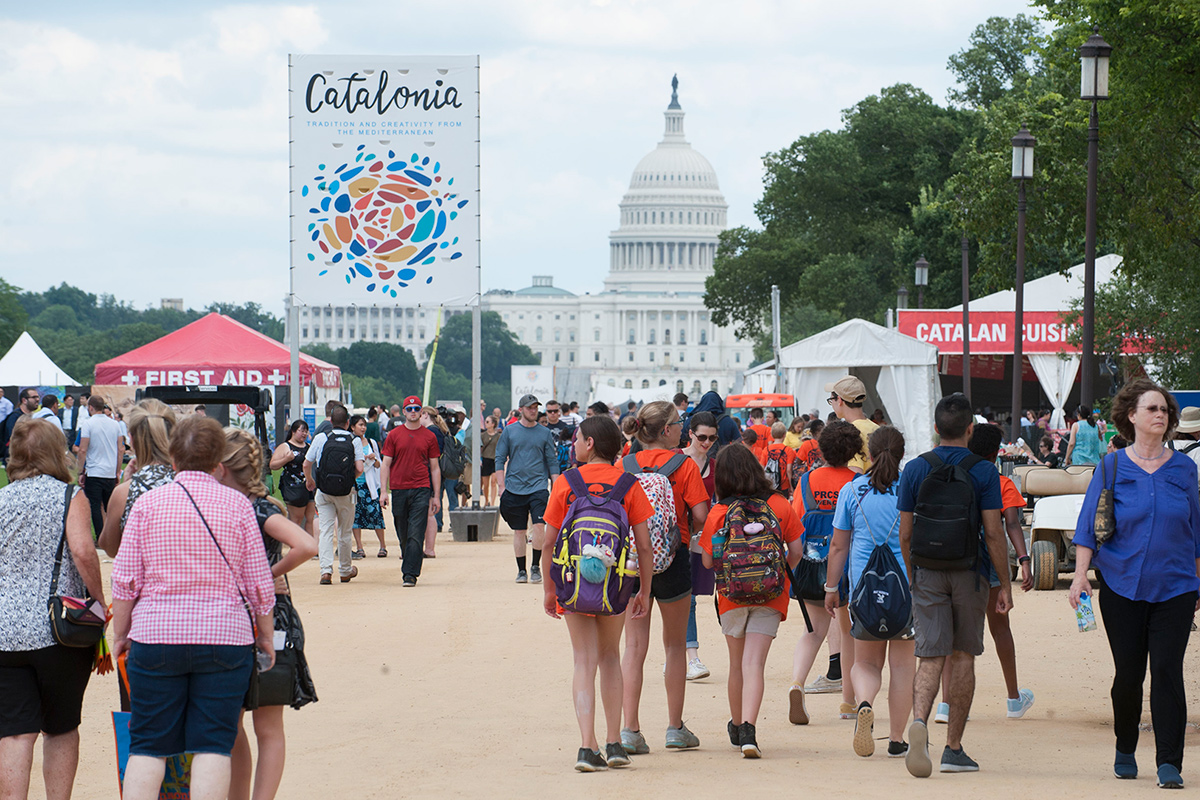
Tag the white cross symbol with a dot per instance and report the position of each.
(276, 377)
(130, 378)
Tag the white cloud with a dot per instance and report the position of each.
(150, 158)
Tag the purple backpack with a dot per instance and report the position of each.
(591, 574)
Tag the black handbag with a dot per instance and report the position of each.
(808, 579)
(251, 701)
(294, 492)
(71, 623)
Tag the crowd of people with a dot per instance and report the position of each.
(658, 505)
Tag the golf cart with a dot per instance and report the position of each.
(1059, 497)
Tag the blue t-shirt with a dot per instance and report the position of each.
(858, 506)
(1152, 556)
(983, 475)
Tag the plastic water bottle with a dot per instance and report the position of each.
(1085, 617)
(264, 660)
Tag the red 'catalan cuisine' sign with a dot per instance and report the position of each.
(992, 332)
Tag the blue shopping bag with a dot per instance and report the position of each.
(176, 780)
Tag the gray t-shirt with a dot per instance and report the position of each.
(528, 458)
(103, 434)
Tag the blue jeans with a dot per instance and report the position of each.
(186, 698)
(449, 499)
(410, 510)
(693, 641)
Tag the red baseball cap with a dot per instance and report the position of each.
(412, 400)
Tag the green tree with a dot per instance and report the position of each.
(499, 346)
(369, 390)
(833, 204)
(1002, 55)
(390, 363)
(13, 315)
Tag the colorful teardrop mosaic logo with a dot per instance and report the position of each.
(383, 220)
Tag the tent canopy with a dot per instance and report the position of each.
(900, 374)
(26, 365)
(215, 350)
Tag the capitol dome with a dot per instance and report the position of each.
(671, 214)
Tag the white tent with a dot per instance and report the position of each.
(900, 374)
(26, 365)
(1055, 371)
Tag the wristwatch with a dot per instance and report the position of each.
(1023, 559)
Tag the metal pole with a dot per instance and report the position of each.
(293, 312)
(1088, 356)
(966, 304)
(1019, 319)
(775, 339)
(477, 328)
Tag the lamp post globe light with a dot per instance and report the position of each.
(1022, 170)
(1093, 56)
(902, 297)
(921, 279)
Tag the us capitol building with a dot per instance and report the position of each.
(648, 327)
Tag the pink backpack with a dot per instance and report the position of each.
(664, 525)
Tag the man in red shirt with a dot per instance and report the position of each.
(410, 469)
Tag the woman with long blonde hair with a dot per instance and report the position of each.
(241, 469)
(150, 424)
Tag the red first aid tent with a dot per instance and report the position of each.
(215, 350)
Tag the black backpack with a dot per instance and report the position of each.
(946, 519)
(881, 603)
(336, 471)
(453, 459)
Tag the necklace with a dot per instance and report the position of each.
(1145, 458)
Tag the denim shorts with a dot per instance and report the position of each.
(186, 698)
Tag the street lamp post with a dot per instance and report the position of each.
(921, 279)
(1022, 170)
(966, 304)
(1093, 56)
(902, 297)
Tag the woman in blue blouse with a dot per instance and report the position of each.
(1150, 568)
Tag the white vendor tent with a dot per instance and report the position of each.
(900, 374)
(1055, 371)
(26, 365)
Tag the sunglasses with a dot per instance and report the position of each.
(831, 400)
(412, 408)
(703, 437)
(1156, 409)
(552, 411)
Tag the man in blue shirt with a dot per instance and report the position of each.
(526, 461)
(949, 605)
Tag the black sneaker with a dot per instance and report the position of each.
(957, 762)
(735, 736)
(617, 757)
(748, 742)
(590, 761)
(897, 749)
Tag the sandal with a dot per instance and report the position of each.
(382, 552)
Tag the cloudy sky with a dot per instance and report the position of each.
(146, 142)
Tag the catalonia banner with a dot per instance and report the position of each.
(384, 179)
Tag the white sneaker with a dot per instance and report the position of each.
(943, 714)
(696, 670)
(1018, 707)
(823, 685)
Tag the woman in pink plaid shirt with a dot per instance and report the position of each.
(180, 610)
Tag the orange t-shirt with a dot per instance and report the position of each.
(764, 437)
(808, 452)
(788, 523)
(826, 483)
(600, 479)
(786, 456)
(1009, 496)
(686, 483)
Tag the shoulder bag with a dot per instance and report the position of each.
(251, 701)
(71, 621)
(1104, 526)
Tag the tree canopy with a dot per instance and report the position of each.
(845, 213)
